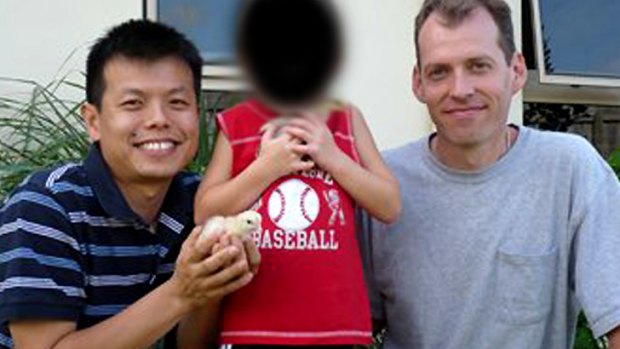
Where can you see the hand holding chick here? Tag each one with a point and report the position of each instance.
(240, 226)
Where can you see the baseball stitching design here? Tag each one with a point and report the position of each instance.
(293, 205)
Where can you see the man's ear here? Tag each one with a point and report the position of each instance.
(90, 114)
(416, 84)
(519, 72)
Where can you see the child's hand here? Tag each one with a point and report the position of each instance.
(279, 154)
(317, 141)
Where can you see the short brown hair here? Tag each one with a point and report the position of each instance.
(455, 11)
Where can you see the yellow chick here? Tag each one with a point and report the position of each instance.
(242, 224)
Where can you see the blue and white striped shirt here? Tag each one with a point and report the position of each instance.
(72, 249)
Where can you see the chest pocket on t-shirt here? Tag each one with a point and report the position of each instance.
(525, 286)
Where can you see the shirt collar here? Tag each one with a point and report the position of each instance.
(178, 202)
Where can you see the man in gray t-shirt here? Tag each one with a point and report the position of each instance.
(506, 232)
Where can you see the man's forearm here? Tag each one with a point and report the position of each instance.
(199, 328)
(614, 338)
(199, 280)
(138, 326)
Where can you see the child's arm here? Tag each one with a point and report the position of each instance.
(371, 185)
(218, 194)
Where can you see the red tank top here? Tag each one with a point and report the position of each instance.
(310, 288)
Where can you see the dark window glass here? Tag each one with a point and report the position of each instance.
(581, 37)
(210, 24)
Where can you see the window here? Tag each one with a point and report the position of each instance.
(210, 24)
(577, 41)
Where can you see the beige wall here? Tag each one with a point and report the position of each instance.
(377, 77)
(38, 36)
(516, 113)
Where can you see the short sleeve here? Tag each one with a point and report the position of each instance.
(40, 272)
(596, 225)
(366, 228)
(222, 125)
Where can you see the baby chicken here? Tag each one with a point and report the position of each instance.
(242, 224)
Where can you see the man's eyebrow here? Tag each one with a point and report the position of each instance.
(179, 89)
(131, 91)
(429, 66)
(482, 58)
(140, 92)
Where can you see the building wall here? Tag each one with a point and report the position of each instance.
(45, 40)
(39, 36)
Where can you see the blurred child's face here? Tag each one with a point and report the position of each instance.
(290, 50)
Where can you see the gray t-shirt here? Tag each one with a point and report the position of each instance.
(500, 258)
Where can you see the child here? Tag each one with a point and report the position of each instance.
(303, 174)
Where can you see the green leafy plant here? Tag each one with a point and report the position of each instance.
(210, 104)
(614, 161)
(38, 131)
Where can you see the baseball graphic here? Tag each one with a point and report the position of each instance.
(293, 205)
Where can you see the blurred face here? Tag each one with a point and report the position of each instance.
(148, 123)
(292, 67)
(464, 79)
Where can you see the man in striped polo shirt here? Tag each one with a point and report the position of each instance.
(88, 250)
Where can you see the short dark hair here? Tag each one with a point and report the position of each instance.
(455, 11)
(138, 39)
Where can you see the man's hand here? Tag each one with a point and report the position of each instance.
(202, 277)
(252, 253)
(245, 243)
(199, 327)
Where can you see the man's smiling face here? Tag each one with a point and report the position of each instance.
(147, 124)
(464, 79)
